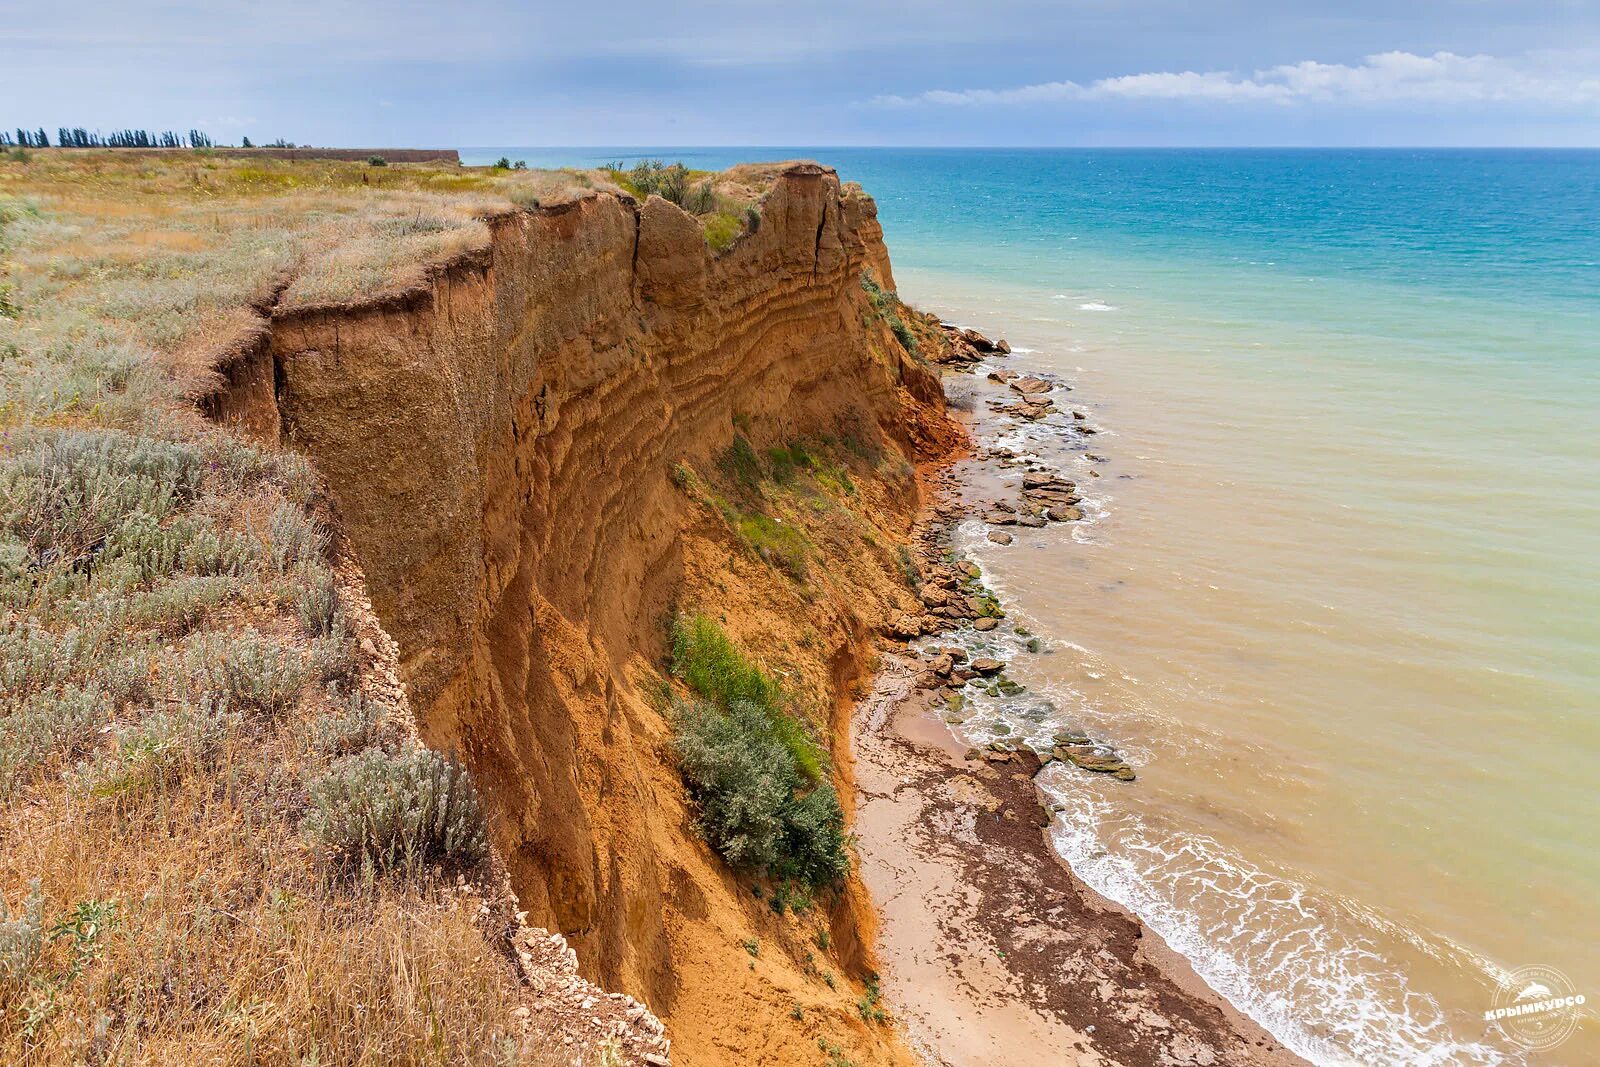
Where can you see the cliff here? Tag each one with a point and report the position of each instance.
(505, 446)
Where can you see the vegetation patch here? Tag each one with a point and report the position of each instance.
(887, 308)
(756, 772)
(184, 734)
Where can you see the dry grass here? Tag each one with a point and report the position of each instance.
(180, 664)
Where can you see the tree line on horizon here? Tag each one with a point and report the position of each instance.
(79, 137)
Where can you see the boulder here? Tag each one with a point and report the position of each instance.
(1065, 513)
(1028, 385)
(986, 666)
(1000, 537)
(985, 624)
(904, 627)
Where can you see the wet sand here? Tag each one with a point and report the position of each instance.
(993, 952)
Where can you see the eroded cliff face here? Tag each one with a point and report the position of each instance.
(501, 445)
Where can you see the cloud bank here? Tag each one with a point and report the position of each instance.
(1550, 79)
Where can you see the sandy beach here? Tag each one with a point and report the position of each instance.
(993, 951)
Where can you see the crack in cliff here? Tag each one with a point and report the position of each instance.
(816, 245)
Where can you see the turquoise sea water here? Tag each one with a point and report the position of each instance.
(1339, 596)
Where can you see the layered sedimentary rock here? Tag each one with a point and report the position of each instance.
(500, 446)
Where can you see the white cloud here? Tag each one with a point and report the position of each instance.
(1552, 78)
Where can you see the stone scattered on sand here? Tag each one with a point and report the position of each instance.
(1034, 521)
(1079, 416)
(1028, 385)
(1002, 376)
(905, 627)
(999, 518)
(1066, 513)
(986, 666)
(1000, 537)
(985, 624)
(1092, 758)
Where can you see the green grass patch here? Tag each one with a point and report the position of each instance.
(741, 464)
(722, 229)
(778, 543)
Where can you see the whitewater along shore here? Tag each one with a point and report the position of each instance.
(993, 950)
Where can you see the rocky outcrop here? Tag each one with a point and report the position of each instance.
(500, 442)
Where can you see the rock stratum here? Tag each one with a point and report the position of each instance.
(501, 445)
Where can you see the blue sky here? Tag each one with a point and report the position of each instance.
(627, 72)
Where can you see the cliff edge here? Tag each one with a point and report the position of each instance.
(508, 446)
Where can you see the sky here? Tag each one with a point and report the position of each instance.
(763, 72)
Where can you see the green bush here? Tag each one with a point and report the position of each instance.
(755, 808)
(708, 663)
(377, 161)
(379, 811)
(721, 229)
(756, 772)
(903, 334)
(669, 181)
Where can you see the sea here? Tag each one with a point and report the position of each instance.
(1336, 594)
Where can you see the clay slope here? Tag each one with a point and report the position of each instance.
(501, 446)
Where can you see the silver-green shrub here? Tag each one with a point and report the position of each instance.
(379, 811)
(253, 673)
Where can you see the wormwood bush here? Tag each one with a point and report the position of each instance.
(379, 811)
(294, 539)
(354, 723)
(317, 601)
(253, 673)
(48, 724)
(149, 754)
(22, 935)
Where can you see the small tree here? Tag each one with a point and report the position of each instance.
(502, 163)
(244, 142)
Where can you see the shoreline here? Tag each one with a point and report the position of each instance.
(992, 948)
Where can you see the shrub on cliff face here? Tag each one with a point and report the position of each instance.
(756, 808)
(756, 772)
